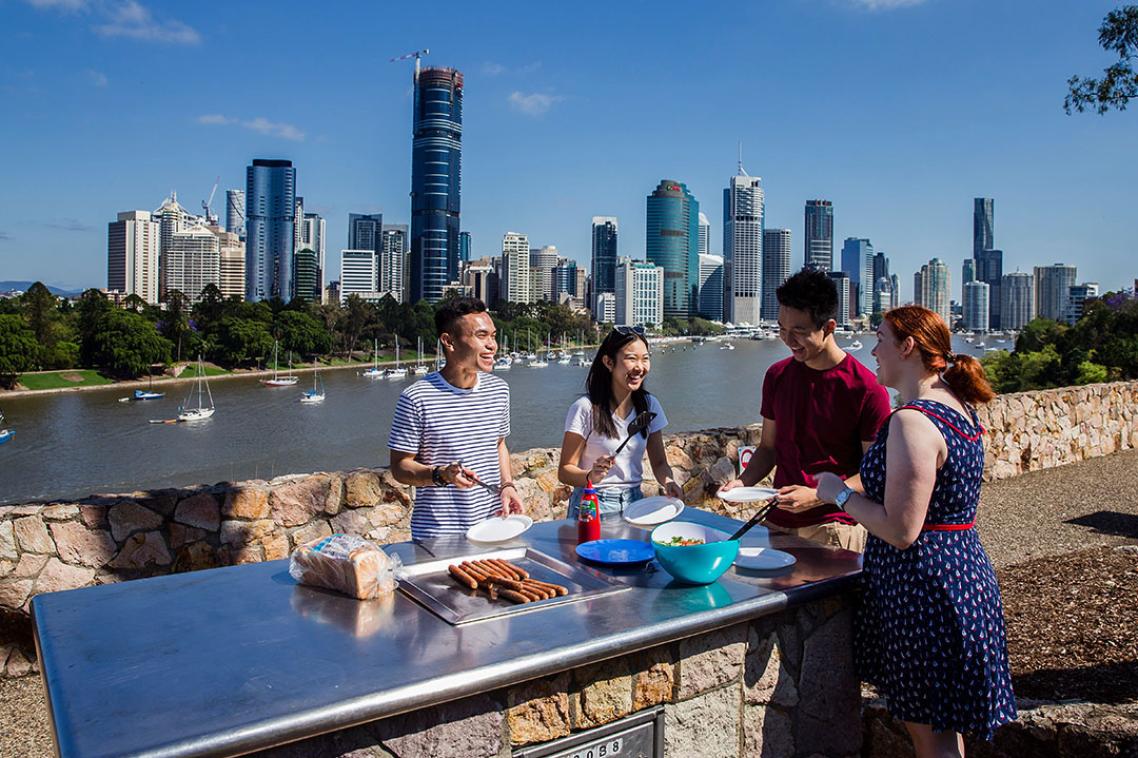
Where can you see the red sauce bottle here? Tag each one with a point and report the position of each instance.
(589, 515)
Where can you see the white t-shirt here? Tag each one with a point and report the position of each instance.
(628, 468)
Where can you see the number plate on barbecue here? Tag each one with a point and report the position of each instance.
(600, 749)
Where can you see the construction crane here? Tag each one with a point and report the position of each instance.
(210, 218)
(416, 55)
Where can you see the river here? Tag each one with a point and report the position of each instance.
(78, 443)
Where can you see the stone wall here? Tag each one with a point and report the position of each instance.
(781, 685)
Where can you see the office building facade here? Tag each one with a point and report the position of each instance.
(672, 242)
(391, 269)
(270, 205)
(975, 302)
(235, 214)
(605, 230)
(231, 264)
(704, 234)
(515, 260)
(132, 255)
(1053, 290)
(463, 247)
(1017, 292)
(711, 287)
(844, 285)
(818, 243)
(358, 275)
(857, 262)
(306, 274)
(436, 181)
(743, 209)
(931, 288)
(190, 261)
(776, 269)
(983, 225)
(639, 293)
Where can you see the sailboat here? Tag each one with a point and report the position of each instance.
(5, 434)
(397, 373)
(538, 362)
(375, 372)
(202, 412)
(278, 380)
(316, 394)
(146, 394)
(504, 361)
(420, 367)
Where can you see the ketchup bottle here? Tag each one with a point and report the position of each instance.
(589, 515)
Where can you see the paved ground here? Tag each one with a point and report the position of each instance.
(1032, 516)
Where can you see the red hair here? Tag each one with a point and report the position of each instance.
(962, 373)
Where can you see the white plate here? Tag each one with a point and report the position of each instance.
(650, 511)
(763, 558)
(497, 529)
(748, 494)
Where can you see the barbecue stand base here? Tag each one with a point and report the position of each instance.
(639, 736)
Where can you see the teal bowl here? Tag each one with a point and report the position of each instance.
(694, 564)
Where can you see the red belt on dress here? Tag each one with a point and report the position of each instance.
(947, 527)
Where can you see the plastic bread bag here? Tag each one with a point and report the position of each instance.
(345, 563)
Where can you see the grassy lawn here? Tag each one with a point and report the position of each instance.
(51, 380)
(210, 370)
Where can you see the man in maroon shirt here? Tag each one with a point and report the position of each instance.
(821, 410)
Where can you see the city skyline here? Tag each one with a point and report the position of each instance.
(526, 121)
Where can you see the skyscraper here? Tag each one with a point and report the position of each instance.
(776, 269)
(365, 231)
(639, 293)
(931, 288)
(819, 239)
(235, 214)
(604, 254)
(564, 279)
(704, 234)
(845, 296)
(542, 261)
(515, 252)
(967, 271)
(990, 270)
(436, 181)
(1017, 290)
(743, 205)
(390, 271)
(1053, 290)
(190, 261)
(975, 302)
(306, 273)
(270, 202)
(1077, 299)
(357, 274)
(983, 225)
(857, 262)
(231, 264)
(314, 231)
(464, 247)
(132, 255)
(673, 244)
(711, 286)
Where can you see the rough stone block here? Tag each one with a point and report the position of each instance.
(161, 502)
(362, 489)
(60, 512)
(8, 550)
(767, 732)
(19, 664)
(94, 516)
(704, 725)
(32, 535)
(129, 517)
(247, 500)
(829, 709)
(143, 550)
(296, 502)
(765, 679)
(318, 529)
(246, 532)
(654, 680)
(538, 710)
(710, 660)
(6, 568)
(467, 728)
(29, 566)
(178, 535)
(199, 510)
(13, 594)
(275, 547)
(194, 557)
(601, 693)
(352, 521)
(387, 514)
(80, 545)
(58, 576)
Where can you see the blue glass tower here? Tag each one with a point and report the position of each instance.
(270, 198)
(464, 247)
(673, 244)
(436, 179)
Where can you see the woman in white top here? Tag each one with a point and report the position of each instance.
(598, 422)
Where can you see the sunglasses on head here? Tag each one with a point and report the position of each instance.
(627, 330)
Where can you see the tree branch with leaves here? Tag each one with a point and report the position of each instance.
(1118, 34)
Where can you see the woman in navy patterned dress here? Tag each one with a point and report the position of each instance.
(930, 631)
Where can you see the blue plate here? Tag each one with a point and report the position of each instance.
(616, 552)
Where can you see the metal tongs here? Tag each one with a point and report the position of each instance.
(763, 511)
(479, 482)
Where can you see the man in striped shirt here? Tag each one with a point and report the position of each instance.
(450, 429)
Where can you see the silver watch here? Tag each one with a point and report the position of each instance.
(842, 497)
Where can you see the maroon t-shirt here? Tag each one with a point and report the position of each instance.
(821, 419)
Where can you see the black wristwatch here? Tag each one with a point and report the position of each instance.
(437, 476)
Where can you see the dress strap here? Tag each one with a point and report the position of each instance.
(949, 424)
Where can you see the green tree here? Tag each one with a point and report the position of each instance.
(17, 346)
(1041, 369)
(360, 316)
(175, 324)
(126, 344)
(301, 333)
(1117, 34)
(92, 307)
(1091, 373)
(241, 341)
(41, 312)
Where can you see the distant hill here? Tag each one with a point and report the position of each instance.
(23, 286)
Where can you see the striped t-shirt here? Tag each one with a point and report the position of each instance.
(442, 424)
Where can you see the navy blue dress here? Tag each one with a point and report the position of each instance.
(930, 628)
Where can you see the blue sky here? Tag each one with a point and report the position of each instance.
(899, 111)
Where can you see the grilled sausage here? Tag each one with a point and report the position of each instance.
(557, 588)
(515, 596)
(462, 577)
(518, 573)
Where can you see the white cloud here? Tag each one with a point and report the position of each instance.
(497, 69)
(131, 19)
(493, 69)
(533, 104)
(63, 5)
(260, 125)
(98, 78)
(886, 5)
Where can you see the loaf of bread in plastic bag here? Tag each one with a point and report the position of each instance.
(345, 563)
